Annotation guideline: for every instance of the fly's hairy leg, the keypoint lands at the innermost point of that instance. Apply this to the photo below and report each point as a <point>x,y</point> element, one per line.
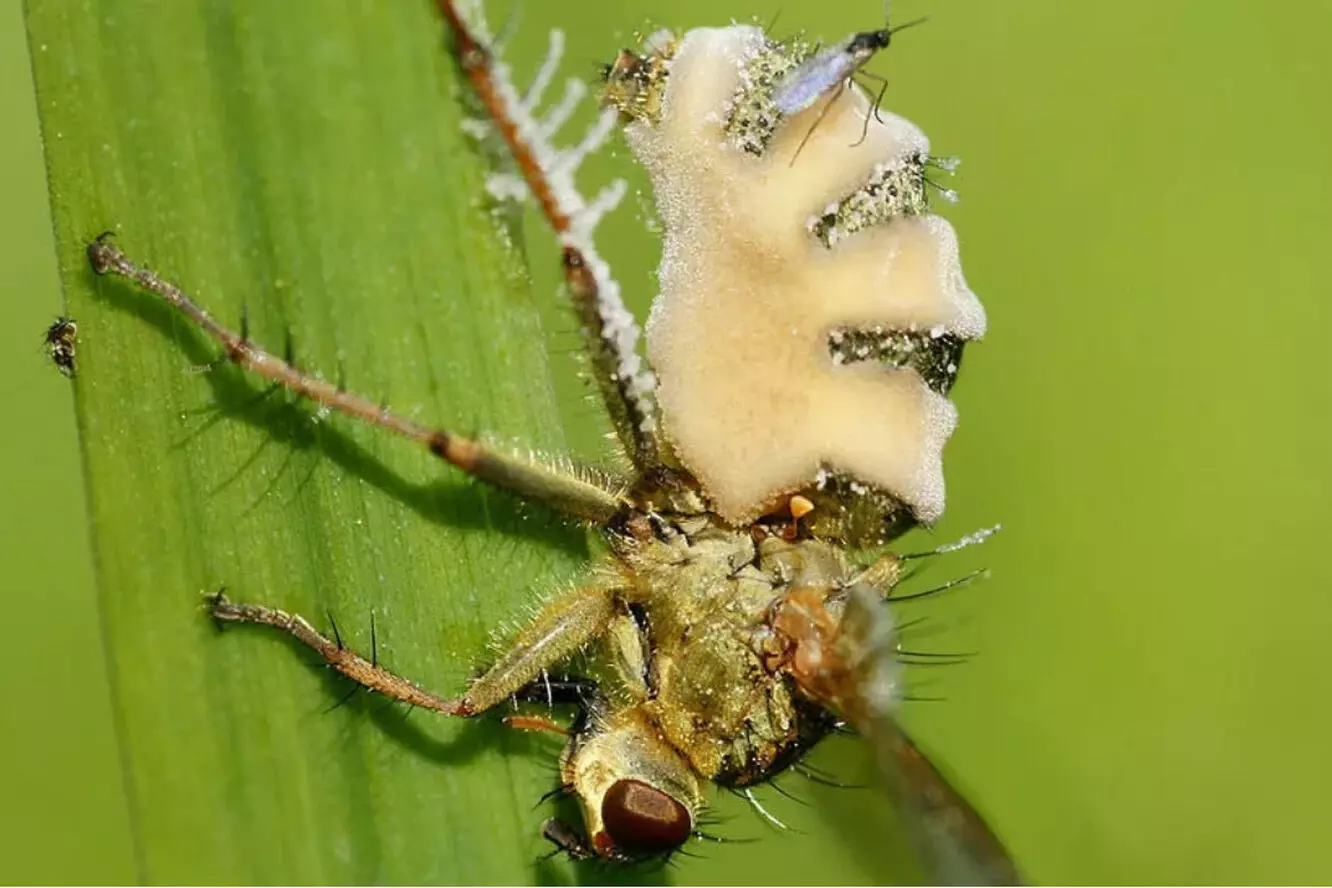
<point>627,413</point>
<point>364,672</point>
<point>572,494</point>
<point>562,627</point>
<point>610,331</point>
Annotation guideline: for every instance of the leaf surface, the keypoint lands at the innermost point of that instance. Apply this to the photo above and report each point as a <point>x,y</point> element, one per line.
<point>281,163</point>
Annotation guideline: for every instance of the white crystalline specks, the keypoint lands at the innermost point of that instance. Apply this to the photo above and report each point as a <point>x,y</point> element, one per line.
<point>618,323</point>
<point>752,402</point>
<point>972,539</point>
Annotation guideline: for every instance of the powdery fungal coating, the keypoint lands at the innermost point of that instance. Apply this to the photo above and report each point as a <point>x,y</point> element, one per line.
<point>559,168</point>
<point>754,113</point>
<point>752,401</point>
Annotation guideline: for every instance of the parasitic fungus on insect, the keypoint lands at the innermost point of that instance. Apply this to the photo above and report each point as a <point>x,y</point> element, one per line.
<point>770,267</point>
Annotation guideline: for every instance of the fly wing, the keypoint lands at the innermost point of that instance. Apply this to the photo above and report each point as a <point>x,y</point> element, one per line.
<point>804,84</point>
<point>954,843</point>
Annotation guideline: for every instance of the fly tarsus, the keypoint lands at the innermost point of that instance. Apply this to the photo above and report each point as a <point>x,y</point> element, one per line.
<point>365,673</point>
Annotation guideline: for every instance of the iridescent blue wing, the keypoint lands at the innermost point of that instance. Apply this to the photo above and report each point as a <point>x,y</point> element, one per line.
<point>812,78</point>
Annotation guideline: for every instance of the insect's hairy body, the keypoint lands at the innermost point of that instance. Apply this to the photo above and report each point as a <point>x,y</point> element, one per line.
<point>708,592</point>
<point>700,679</point>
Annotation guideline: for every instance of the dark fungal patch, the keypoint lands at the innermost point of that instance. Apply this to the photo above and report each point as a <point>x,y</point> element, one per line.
<point>855,512</point>
<point>892,191</point>
<point>934,354</point>
<point>754,114</point>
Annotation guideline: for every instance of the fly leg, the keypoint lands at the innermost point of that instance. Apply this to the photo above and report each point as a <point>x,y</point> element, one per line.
<point>562,627</point>
<point>576,493</point>
<point>366,673</point>
<point>823,112</point>
<point>610,330</point>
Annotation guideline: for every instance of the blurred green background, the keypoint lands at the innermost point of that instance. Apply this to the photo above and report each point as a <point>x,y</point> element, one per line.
<point>1146,204</point>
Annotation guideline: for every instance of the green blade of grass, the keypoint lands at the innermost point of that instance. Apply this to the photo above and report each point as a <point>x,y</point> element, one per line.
<point>304,165</point>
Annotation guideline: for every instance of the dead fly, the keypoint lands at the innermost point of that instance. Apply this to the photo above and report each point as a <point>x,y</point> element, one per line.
<point>61,338</point>
<point>739,615</point>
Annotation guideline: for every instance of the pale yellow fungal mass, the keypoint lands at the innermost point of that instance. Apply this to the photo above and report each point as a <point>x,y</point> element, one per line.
<point>751,398</point>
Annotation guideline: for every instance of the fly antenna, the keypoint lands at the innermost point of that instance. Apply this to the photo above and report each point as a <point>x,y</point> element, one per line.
<point>888,17</point>
<point>911,24</point>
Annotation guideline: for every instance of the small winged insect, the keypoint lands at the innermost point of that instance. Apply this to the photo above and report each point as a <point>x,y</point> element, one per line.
<point>829,69</point>
<point>61,338</point>
<point>809,327</point>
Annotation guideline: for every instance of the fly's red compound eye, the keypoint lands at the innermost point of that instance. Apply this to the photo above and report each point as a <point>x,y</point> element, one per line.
<point>642,818</point>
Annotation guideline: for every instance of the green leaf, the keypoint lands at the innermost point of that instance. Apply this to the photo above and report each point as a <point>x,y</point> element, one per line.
<point>275,161</point>
<point>305,170</point>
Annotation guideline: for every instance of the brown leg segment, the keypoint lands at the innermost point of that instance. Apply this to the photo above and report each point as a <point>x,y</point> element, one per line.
<point>360,670</point>
<point>572,494</point>
<point>630,410</point>
<point>564,626</point>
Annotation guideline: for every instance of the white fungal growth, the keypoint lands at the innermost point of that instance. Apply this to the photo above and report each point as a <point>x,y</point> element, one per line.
<point>558,168</point>
<point>558,116</point>
<point>752,401</point>
<point>546,73</point>
<point>506,186</point>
